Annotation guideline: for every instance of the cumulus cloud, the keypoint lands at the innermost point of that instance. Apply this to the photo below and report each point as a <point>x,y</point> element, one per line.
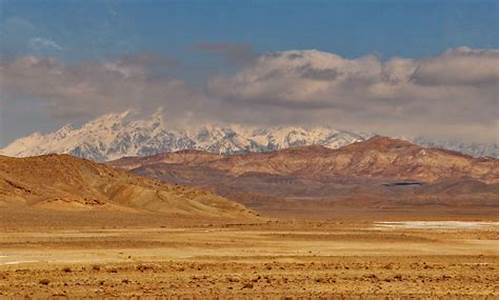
<point>447,95</point>
<point>452,95</point>
<point>88,89</point>
<point>461,66</point>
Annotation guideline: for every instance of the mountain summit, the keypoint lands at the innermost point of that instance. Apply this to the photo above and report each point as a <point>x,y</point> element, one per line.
<point>116,135</point>
<point>113,136</point>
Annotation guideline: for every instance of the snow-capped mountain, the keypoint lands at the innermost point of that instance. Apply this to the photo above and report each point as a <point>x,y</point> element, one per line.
<point>116,135</point>
<point>474,149</point>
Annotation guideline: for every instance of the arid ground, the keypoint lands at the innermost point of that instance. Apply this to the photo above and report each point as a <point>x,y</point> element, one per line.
<point>86,254</point>
<point>72,228</point>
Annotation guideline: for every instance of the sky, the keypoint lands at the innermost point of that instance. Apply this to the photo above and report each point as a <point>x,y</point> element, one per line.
<point>421,68</point>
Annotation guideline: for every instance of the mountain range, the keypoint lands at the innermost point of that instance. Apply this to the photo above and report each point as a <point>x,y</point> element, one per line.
<point>382,174</point>
<point>375,158</point>
<point>377,173</point>
<point>116,135</point>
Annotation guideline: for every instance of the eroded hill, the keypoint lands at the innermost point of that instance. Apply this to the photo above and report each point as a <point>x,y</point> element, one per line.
<point>66,182</point>
<point>380,172</point>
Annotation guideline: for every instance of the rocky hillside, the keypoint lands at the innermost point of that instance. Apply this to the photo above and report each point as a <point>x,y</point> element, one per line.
<point>67,182</point>
<point>380,174</point>
<point>375,158</point>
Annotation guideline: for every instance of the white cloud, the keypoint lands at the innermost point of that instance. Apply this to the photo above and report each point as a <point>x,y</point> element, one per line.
<point>442,95</point>
<point>89,89</point>
<point>460,66</point>
<point>39,44</point>
<point>452,95</point>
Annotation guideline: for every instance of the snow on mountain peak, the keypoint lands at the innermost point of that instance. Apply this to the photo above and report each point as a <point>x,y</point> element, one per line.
<point>115,135</point>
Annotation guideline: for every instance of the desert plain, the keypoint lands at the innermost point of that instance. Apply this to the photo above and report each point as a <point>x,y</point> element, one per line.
<point>78,254</point>
<point>382,219</point>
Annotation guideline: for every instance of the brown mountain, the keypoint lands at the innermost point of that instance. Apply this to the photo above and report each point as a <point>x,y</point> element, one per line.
<point>379,157</point>
<point>67,182</point>
<point>377,172</point>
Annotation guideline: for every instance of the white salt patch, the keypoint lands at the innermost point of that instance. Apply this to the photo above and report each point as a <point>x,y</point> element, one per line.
<point>16,262</point>
<point>436,225</point>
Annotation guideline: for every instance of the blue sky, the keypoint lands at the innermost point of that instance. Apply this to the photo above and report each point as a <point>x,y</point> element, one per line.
<point>89,29</point>
<point>204,39</point>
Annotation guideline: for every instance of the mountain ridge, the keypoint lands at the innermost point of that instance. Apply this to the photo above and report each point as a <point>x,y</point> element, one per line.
<point>113,136</point>
<point>376,157</point>
<point>380,173</point>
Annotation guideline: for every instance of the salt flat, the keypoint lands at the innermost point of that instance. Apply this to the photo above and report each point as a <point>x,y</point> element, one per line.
<point>437,225</point>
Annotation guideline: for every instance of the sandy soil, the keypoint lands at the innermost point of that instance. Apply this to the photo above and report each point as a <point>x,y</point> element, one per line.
<point>274,259</point>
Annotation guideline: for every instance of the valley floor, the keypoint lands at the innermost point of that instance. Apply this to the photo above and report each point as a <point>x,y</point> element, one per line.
<point>270,259</point>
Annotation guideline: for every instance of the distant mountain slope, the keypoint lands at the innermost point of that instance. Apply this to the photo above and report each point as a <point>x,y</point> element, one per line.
<point>67,182</point>
<point>379,173</point>
<point>377,157</point>
<point>474,149</point>
<point>114,136</point>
